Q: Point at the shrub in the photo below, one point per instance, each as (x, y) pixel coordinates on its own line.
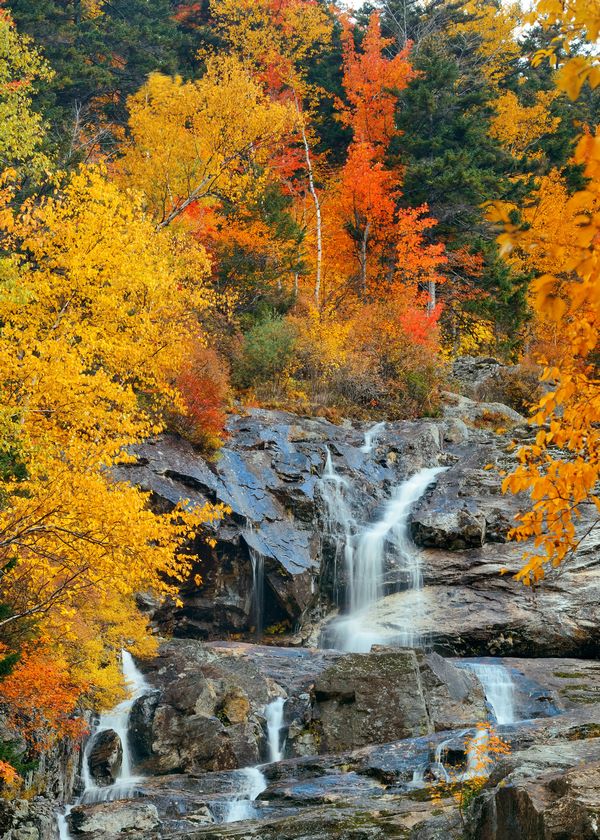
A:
(265, 354)
(204, 387)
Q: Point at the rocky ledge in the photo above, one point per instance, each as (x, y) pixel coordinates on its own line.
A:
(364, 740)
(276, 565)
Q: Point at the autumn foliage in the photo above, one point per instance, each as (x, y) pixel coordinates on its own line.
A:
(562, 241)
(42, 699)
(278, 203)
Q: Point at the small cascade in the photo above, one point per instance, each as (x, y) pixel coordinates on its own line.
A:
(258, 590)
(371, 437)
(252, 783)
(62, 824)
(274, 717)
(477, 764)
(365, 560)
(438, 767)
(340, 522)
(116, 720)
(498, 688)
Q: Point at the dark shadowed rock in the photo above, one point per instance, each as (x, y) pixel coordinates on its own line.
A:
(105, 757)
(141, 719)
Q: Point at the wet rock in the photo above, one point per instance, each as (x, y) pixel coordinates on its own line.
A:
(454, 697)
(141, 719)
(544, 793)
(22, 819)
(186, 743)
(369, 699)
(452, 529)
(113, 819)
(105, 757)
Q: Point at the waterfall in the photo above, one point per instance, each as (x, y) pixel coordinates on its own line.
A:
(365, 557)
(498, 688)
(371, 436)
(62, 824)
(252, 783)
(340, 521)
(258, 589)
(274, 716)
(116, 720)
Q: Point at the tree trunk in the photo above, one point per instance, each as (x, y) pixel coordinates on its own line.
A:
(316, 201)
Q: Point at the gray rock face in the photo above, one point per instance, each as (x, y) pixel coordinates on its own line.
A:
(386, 695)
(365, 699)
(543, 793)
(270, 475)
(114, 819)
(105, 757)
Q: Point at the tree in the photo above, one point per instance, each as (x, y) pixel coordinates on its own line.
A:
(562, 468)
(21, 130)
(98, 313)
(365, 207)
(280, 41)
(198, 141)
(101, 53)
(453, 164)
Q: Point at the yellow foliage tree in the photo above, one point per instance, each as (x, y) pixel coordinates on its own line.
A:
(21, 68)
(492, 24)
(562, 468)
(517, 127)
(203, 140)
(97, 312)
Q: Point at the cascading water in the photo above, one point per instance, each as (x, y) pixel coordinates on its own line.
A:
(116, 720)
(371, 436)
(340, 522)
(252, 783)
(252, 779)
(258, 590)
(498, 688)
(274, 717)
(365, 558)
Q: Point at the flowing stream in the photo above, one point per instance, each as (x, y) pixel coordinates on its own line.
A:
(274, 716)
(498, 688)
(116, 720)
(252, 781)
(364, 552)
(371, 437)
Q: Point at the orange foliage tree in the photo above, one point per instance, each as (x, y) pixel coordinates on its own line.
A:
(561, 469)
(42, 699)
(386, 246)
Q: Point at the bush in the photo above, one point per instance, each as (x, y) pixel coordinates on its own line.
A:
(265, 354)
(204, 387)
(379, 361)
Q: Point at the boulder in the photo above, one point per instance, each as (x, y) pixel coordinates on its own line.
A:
(453, 528)
(185, 743)
(369, 699)
(454, 696)
(141, 719)
(113, 820)
(544, 793)
(105, 757)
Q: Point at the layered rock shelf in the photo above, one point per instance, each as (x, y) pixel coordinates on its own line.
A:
(356, 622)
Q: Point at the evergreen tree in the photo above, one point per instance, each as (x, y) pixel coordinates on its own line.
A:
(99, 59)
